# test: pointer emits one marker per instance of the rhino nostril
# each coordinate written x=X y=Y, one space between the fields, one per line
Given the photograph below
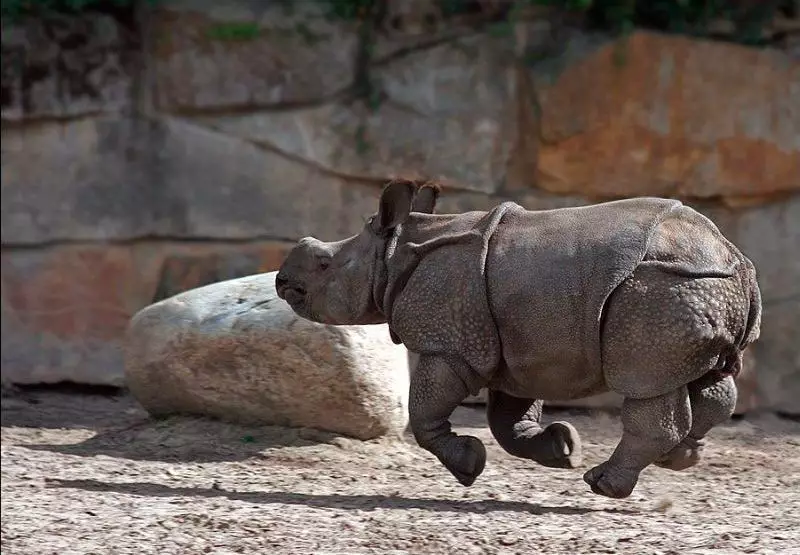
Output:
x=280 y=281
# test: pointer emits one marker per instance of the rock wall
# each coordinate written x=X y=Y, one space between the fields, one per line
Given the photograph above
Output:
x=142 y=159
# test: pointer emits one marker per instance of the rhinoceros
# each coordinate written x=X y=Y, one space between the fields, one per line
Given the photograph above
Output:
x=641 y=296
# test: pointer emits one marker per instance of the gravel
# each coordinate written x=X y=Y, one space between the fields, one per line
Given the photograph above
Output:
x=92 y=474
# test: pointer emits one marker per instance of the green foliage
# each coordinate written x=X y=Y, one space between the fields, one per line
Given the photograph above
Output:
x=238 y=30
x=620 y=16
x=691 y=17
x=348 y=9
x=14 y=9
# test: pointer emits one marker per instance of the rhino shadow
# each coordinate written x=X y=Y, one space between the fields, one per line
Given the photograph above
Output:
x=361 y=502
x=190 y=439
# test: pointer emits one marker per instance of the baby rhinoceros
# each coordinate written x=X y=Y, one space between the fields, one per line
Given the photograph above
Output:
x=642 y=296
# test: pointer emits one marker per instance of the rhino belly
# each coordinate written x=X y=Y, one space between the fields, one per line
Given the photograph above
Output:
x=548 y=324
x=550 y=374
x=543 y=333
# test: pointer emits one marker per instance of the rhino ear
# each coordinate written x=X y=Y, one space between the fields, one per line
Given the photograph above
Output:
x=425 y=200
x=395 y=205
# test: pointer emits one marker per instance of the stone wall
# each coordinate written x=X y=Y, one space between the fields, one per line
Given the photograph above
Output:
x=142 y=159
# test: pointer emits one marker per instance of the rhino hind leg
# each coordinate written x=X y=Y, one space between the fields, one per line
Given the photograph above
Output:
x=514 y=423
x=651 y=428
x=662 y=331
x=665 y=333
x=713 y=400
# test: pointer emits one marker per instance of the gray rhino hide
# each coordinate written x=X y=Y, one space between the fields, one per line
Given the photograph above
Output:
x=464 y=284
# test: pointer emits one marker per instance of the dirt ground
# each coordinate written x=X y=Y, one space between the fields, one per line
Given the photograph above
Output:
x=91 y=474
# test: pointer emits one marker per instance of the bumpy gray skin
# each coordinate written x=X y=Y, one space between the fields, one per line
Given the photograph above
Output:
x=643 y=297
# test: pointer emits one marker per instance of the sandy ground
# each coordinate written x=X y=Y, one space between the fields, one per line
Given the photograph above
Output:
x=92 y=474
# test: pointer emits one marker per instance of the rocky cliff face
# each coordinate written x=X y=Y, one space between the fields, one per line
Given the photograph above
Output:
x=140 y=162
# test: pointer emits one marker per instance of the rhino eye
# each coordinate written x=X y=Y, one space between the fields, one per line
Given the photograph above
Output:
x=324 y=264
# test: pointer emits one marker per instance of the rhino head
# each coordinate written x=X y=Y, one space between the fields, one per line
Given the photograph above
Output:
x=342 y=282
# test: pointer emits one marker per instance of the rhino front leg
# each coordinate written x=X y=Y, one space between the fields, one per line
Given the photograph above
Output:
x=713 y=400
x=651 y=428
x=514 y=422
x=436 y=391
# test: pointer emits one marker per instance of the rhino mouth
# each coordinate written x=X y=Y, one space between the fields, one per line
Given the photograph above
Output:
x=294 y=295
x=290 y=292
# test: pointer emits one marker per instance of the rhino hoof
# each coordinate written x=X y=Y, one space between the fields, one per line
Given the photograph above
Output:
x=684 y=455
x=468 y=459
x=566 y=446
x=611 y=481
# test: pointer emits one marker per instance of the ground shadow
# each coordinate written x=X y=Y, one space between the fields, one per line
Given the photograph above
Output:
x=124 y=430
x=330 y=501
x=189 y=439
x=68 y=406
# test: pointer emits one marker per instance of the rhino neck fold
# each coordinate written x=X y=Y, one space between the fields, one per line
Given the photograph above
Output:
x=424 y=233
x=380 y=278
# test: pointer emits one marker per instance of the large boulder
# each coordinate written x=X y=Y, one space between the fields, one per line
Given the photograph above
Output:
x=235 y=351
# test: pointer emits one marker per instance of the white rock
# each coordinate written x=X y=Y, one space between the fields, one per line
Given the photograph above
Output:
x=235 y=351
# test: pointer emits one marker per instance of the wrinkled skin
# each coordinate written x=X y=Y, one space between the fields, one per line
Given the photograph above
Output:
x=485 y=301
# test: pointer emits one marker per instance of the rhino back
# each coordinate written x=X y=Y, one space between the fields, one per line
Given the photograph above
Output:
x=690 y=244
x=549 y=276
